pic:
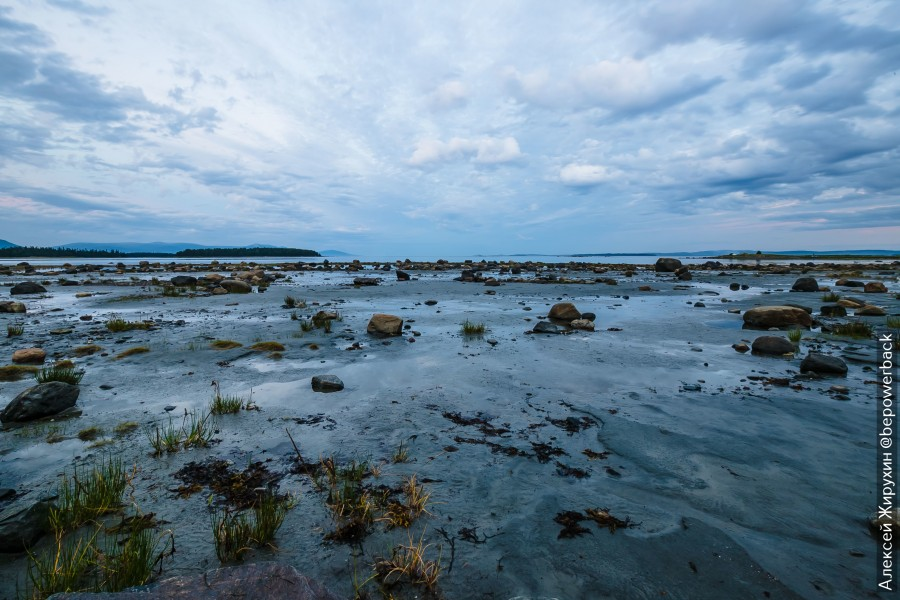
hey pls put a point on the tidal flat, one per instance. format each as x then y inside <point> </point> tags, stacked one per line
<point>647,458</point>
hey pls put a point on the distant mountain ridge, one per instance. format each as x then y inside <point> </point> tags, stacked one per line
<point>163,247</point>
<point>5,244</point>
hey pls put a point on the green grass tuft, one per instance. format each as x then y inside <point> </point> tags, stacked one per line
<point>831,297</point>
<point>470,328</point>
<point>794,335</point>
<point>87,495</point>
<point>14,329</point>
<point>59,372</point>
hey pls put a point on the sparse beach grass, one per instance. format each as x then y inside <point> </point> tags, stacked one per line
<point>794,335</point>
<point>831,297</point>
<point>225,405</point>
<point>15,329</point>
<point>236,532</point>
<point>855,329</point>
<point>196,431</point>
<point>86,495</point>
<point>409,563</point>
<point>125,427</point>
<point>89,434</point>
<point>118,324</point>
<point>473,329</point>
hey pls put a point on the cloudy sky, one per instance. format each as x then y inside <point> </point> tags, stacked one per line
<point>452,127</point>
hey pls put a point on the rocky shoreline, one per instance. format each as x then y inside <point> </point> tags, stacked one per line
<point>666,402</point>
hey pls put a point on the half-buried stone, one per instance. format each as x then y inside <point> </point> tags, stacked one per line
<point>327,383</point>
<point>42,400</point>
<point>772,344</point>
<point>823,364</point>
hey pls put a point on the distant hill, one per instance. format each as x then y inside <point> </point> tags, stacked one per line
<point>5,244</point>
<point>334,253</point>
<point>154,247</point>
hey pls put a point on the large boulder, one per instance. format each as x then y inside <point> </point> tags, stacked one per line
<point>27,287</point>
<point>564,311</point>
<point>236,286</point>
<point>667,265</point>
<point>823,364</point>
<point>382,324</point>
<point>12,307</point>
<point>22,525</point>
<point>764,317</point>
<point>183,281</point>
<point>29,356</point>
<point>42,400</point>
<point>849,283</point>
<point>327,383</point>
<point>772,344</point>
<point>869,311</point>
<point>402,275</point>
<point>805,284</point>
<point>875,287</point>
<point>244,582</point>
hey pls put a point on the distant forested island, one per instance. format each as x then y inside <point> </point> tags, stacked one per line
<point>39,252</point>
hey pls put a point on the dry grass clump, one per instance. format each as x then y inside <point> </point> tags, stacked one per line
<point>132,352</point>
<point>470,328</point>
<point>82,351</point>
<point>268,347</point>
<point>225,344</point>
<point>409,563</point>
<point>16,372</point>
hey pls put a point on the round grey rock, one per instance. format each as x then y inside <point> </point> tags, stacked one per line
<point>327,383</point>
<point>823,364</point>
<point>772,344</point>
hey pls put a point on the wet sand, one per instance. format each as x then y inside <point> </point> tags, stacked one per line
<point>737,487</point>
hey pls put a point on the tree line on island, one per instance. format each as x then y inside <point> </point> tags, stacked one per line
<point>38,252</point>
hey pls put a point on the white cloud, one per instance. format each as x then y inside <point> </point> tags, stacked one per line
<point>579,175</point>
<point>483,150</point>
<point>449,95</point>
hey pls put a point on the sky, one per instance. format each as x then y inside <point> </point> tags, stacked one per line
<point>457,127</point>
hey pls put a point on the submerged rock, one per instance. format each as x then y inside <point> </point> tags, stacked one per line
<point>327,383</point>
<point>382,324</point>
<point>27,287</point>
<point>42,400</point>
<point>822,363</point>
<point>777,316</point>
<point>870,311</point>
<point>269,581</point>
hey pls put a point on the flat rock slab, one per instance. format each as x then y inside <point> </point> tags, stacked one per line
<point>327,383</point>
<point>264,581</point>
<point>27,287</point>
<point>777,316</point>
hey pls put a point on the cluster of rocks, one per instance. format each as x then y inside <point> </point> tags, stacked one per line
<point>564,317</point>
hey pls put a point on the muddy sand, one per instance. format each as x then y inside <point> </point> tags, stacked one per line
<point>730,475</point>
